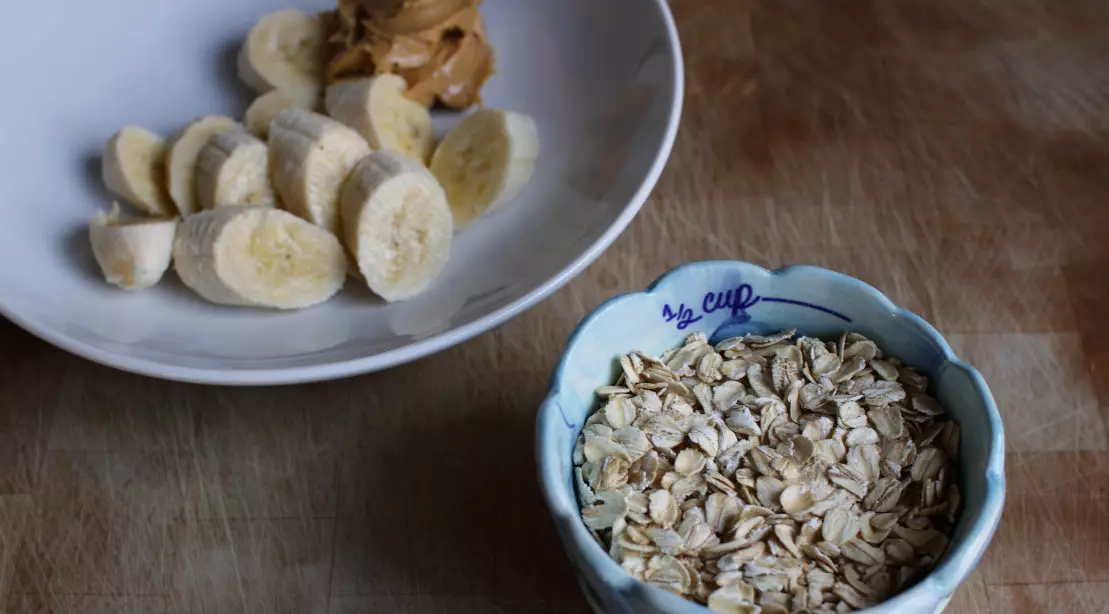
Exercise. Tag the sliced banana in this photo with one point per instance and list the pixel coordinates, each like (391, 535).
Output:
(133, 168)
(266, 107)
(258, 257)
(397, 223)
(283, 51)
(133, 254)
(485, 162)
(377, 108)
(311, 157)
(182, 156)
(233, 170)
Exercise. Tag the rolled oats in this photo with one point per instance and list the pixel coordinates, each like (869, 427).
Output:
(770, 474)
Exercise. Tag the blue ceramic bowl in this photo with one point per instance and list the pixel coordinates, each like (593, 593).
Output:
(727, 298)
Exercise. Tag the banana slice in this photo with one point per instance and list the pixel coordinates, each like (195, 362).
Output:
(377, 108)
(486, 161)
(258, 257)
(133, 169)
(182, 156)
(232, 170)
(283, 51)
(266, 107)
(397, 223)
(311, 157)
(133, 254)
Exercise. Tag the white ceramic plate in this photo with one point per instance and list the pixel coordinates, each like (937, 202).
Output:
(603, 80)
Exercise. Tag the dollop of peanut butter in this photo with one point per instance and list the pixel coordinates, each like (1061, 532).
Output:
(438, 46)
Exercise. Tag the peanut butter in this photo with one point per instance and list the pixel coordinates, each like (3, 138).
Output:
(438, 46)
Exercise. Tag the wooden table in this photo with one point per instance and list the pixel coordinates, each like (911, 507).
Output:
(953, 153)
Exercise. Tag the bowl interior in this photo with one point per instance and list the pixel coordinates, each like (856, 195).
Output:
(604, 89)
(817, 303)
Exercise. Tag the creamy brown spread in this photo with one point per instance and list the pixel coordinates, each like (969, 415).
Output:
(438, 46)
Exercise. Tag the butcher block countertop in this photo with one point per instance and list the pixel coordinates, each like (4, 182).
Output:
(953, 153)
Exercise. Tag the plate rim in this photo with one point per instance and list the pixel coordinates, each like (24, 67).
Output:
(340, 369)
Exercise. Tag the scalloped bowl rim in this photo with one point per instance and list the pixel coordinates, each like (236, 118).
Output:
(940, 583)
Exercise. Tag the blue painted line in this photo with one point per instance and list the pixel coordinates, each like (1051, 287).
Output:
(565, 420)
(790, 301)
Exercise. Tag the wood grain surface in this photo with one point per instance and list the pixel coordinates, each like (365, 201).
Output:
(953, 153)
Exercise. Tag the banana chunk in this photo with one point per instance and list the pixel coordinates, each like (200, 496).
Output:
(485, 162)
(261, 112)
(258, 257)
(377, 108)
(133, 254)
(233, 170)
(397, 223)
(133, 168)
(283, 51)
(181, 159)
(312, 156)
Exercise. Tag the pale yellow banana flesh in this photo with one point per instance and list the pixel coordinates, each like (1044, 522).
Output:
(311, 156)
(265, 108)
(485, 162)
(133, 169)
(182, 156)
(397, 224)
(258, 257)
(395, 209)
(133, 254)
(284, 51)
(232, 169)
(377, 108)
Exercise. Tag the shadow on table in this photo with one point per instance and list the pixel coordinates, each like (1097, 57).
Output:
(445, 504)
